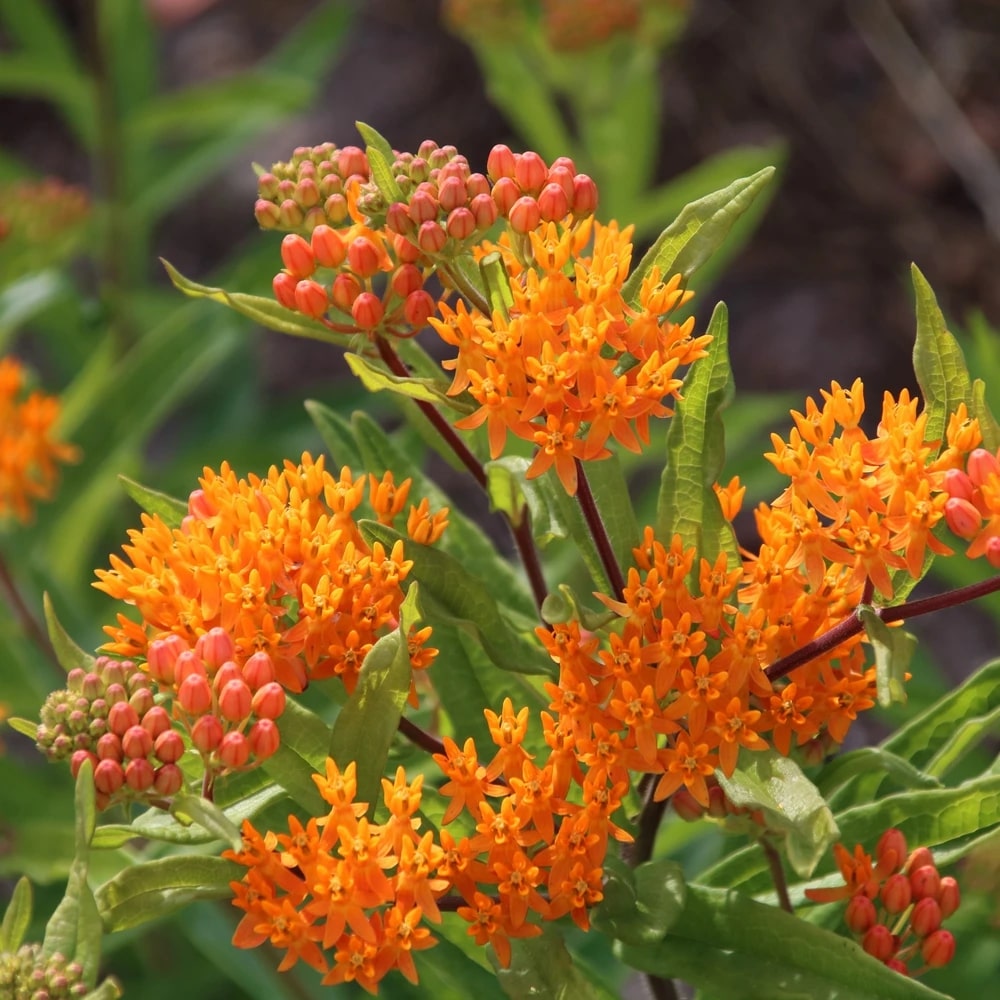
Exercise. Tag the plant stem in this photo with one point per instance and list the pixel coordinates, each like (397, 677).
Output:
(23, 614)
(467, 290)
(599, 533)
(420, 737)
(777, 873)
(650, 817)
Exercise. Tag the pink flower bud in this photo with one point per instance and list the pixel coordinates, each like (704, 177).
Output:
(860, 915)
(267, 214)
(109, 747)
(352, 160)
(215, 647)
(524, 215)
(981, 465)
(418, 308)
(263, 738)
(938, 948)
(896, 893)
(91, 686)
(484, 210)
(406, 252)
(530, 172)
(958, 484)
(267, 185)
(169, 746)
(327, 246)
(297, 256)
(406, 279)
(553, 203)
(108, 776)
(162, 655)
(76, 761)
(137, 742)
(879, 942)
(500, 162)
(290, 215)
(687, 806)
(335, 209)
(114, 694)
(269, 701)
(139, 774)
(431, 237)
(121, 717)
(307, 192)
(156, 721)
(367, 311)
(926, 917)
(584, 196)
(962, 517)
(505, 194)
(452, 194)
(168, 779)
(234, 750)
(229, 671)
(563, 177)
(363, 257)
(892, 840)
(897, 966)
(206, 734)
(188, 663)
(258, 670)
(992, 551)
(234, 700)
(563, 163)
(194, 695)
(461, 224)
(925, 882)
(949, 896)
(311, 298)
(398, 219)
(919, 857)
(346, 288)
(141, 700)
(477, 184)
(283, 286)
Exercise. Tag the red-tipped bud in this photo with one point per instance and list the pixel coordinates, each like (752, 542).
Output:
(687, 806)
(949, 896)
(267, 185)
(194, 695)
(925, 882)
(327, 246)
(477, 184)
(958, 484)
(992, 552)
(484, 210)
(431, 238)
(109, 747)
(860, 915)
(114, 694)
(258, 670)
(207, 733)
(894, 841)
(500, 162)
(530, 172)
(290, 215)
(363, 257)
(229, 671)
(418, 308)
(307, 192)
(452, 194)
(398, 219)
(879, 942)
(234, 750)
(406, 252)
(121, 717)
(311, 298)
(336, 210)
(423, 207)
(76, 761)
(897, 966)
(718, 804)
(524, 215)
(297, 256)
(263, 738)
(896, 893)
(938, 949)
(283, 286)
(367, 311)
(352, 160)
(563, 163)
(141, 700)
(188, 663)
(406, 279)
(553, 203)
(234, 700)
(346, 288)
(139, 774)
(215, 647)
(563, 177)
(981, 465)
(156, 721)
(919, 857)
(162, 653)
(584, 196)
(168, 779)
(267, 214)
(962, 517)
(926, 917)
(461, 224)
(108, 777)
(269, 701)
(137, 742)
(505, 194)
(169, 746)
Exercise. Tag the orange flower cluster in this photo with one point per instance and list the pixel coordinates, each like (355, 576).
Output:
(279, 565)
(550, 370)
(29, 448)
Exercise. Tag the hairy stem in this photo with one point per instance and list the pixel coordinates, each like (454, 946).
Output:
(588, 505)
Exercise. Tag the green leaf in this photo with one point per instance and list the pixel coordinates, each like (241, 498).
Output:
(208, 816)
(268, 313)
(962, 739)
(149, 891)
(696, 453)
(894, 650)
(37, 28)
(26, 727)
(697, 232)
(16, 917)
(170, 510)
(367, 724)
(497, 282)
(640, 905)
(614, 504)
(866, 760)
(542, 969)
(108, 990)
(377, 379)
(938, 361)
(305, 741)
(338, 438)
(380, 159)
(68, 653)
(790, 802)
(980, 409)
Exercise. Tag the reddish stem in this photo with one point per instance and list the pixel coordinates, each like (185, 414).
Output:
(599, 532)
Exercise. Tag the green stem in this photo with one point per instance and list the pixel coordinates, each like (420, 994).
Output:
(598, 532)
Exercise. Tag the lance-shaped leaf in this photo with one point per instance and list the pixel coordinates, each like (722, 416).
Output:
(68, 653)
(497, 282)
(640, 905)
(964, 738)
(337, 435)
(541, 968)
(450, 593)
(16, 917)
(938, 361)
(154, 889)
(377, 379)
(170, 510)
(697, 232)
(790, 802)
(380, 159)
(866, 760)
(195, 808)
(894, 650)
(364, 730)
(305, 741)
(696, 453)
(269, 313)
(988, 425)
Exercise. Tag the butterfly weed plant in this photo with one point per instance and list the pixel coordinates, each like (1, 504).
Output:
(326, 697)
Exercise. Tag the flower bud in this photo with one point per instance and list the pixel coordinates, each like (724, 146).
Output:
(894, 841)
(687, 807)
(500, 162)
(234, 700)
(297, 256)
(258, 670)
(109, 747)
(194, 695)
(896, 893)
(406, 279)
(139, 774)
(505, 195)
(879, 942)
(981, 465)
(283, 286)
(860, 915)
(269, 701)
(267, 214)
(336, 210)
(234, 750)
(938, 948)
(113, 694)
(584, 196)
(188, 663)
(352, 160)
(718, 804)
(553, 204)
(948, 896)
(958, 484)
(307, 192)
(229, 671)
(431, 237)
(215, 647)
(418, 308)
(925, 882)
(897, 966)
(452, 194)
(992, 551)
(263, 738)
(137, 742)
(406, 252)
(919, 857)
(461, 224)
(484, 211)
(524, 215)
(367, 311)
(156, 721)
(327, 246)
(169, 746)
(346, 288)
(206, 734)
(311, 298)
(91, 686)
(108, 776)
(477, 184)
(76, 761)
(168, 779)
(926, 917)
(290, 216)
(962, 517)
(363, 257)
(563, 177)
(530, 172)
(121, 717)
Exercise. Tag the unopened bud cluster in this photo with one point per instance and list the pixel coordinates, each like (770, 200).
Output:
(28, 975)
(975, 498)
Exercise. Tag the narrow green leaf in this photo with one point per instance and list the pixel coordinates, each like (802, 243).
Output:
(68, 653)
(37, 28)
(367, 724)
(541, 968)
(937, 360)
(967, 735)
(696, 453)
(790, 802)
(894, 650)
(697, 232)
(154, 889)
(497, 282)
(614, 504)
(988, 425)
(640, 905)
(108, 990)
(866, 760)
(26, 727)
(208, 816)
(267, 312)
(84, 810)
(16, 917)
(336, 434)
(380, 159)
(305, 740)
(447, 971)
(170, 510)
(377, 379)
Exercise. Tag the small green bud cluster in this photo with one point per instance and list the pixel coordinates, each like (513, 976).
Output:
(28, 975)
